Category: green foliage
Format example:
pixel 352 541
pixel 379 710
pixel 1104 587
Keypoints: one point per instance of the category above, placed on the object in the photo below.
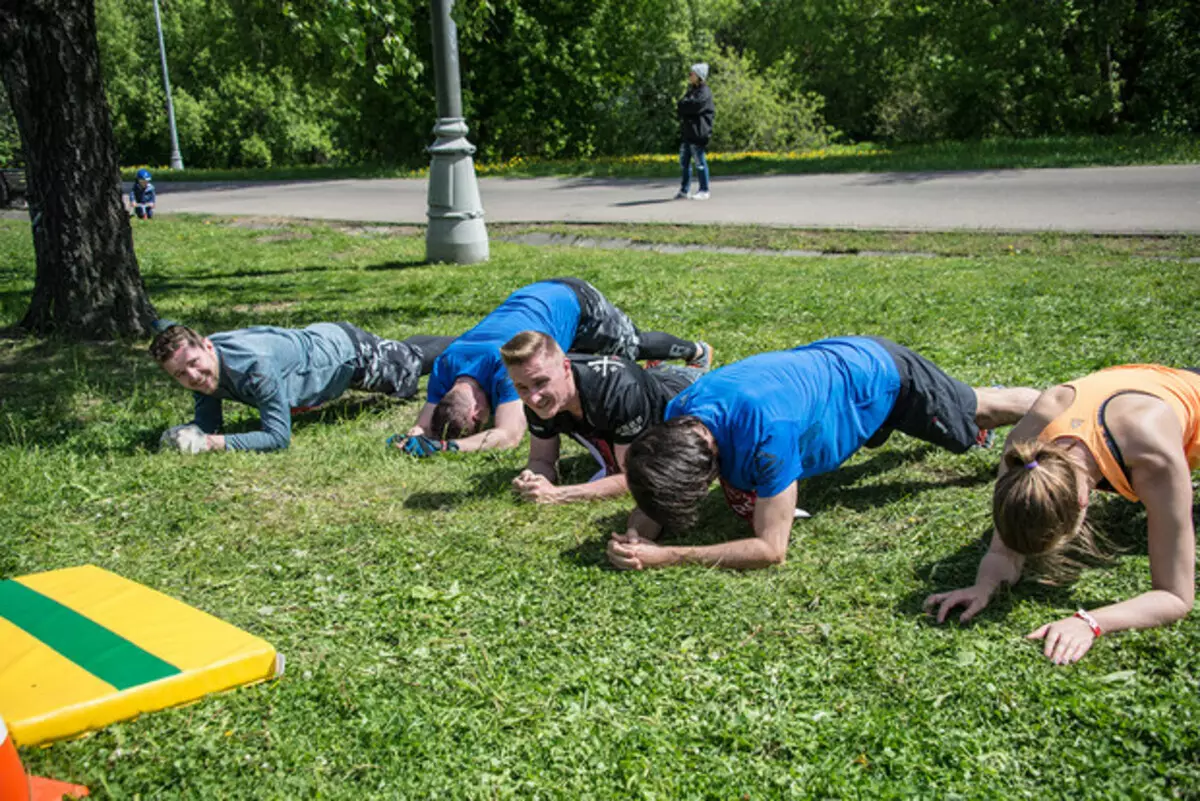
pixel 762 110
pixel 10 138
pixel 444 641
pixel 973 68
pixel 320 81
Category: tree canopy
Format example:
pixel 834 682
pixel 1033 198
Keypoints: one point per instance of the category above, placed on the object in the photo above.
pixel 315 81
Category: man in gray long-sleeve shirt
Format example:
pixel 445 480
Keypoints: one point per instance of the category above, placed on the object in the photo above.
pixel 281 371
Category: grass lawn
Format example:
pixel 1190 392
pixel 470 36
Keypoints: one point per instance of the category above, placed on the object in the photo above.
pixel 445 641
pixel 991 154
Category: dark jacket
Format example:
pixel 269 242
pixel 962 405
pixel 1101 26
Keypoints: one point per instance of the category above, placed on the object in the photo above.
pixel 696 112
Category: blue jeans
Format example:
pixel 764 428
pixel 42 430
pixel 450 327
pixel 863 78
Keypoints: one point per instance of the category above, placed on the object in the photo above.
pixel 687 152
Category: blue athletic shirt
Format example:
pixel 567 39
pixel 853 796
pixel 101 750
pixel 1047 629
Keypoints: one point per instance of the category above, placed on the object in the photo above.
pixel 548 307
pixel 783 416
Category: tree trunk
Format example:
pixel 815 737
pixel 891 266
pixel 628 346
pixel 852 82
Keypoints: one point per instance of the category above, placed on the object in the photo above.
pixel 88 285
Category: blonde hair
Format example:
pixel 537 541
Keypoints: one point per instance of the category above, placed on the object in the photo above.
pixel 1037 513
pixel 526 345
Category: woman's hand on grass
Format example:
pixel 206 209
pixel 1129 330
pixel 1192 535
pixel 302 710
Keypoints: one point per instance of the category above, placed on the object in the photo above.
pixel 1067 640
pixel 974 598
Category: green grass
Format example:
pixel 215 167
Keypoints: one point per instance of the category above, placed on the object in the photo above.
pixel 446 641
pixel 992 154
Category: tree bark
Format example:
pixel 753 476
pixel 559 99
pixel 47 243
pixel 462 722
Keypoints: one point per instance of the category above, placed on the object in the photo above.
pixel 87 284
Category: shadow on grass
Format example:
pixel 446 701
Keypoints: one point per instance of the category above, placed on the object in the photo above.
pixel 396 265
pixel 835 489
pixel 591 551
pixel 347 408
pixel 51 391
pixel 483 483
pixel 717 524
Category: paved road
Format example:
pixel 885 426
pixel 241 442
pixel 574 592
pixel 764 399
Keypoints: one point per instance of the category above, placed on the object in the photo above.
pixel 1100 199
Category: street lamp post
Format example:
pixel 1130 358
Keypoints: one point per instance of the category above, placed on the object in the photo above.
pixel 176 159
pixel 456 232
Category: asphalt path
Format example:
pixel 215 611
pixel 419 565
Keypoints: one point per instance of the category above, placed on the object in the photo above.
pixel 1133 200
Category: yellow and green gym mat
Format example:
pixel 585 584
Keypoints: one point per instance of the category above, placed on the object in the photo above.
pixel 81 648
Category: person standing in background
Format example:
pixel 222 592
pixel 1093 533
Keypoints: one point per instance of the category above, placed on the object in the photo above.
pixel 696 112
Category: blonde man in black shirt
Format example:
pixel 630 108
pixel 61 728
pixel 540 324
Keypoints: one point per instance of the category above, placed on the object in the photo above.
pixel 603 402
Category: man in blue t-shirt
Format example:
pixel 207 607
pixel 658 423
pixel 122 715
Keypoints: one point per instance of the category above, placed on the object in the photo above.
pixel 469 382
pixel 281 371
pixel 762 424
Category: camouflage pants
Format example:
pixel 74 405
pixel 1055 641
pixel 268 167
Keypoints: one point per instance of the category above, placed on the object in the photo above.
pixel 603 328
pixel 390 367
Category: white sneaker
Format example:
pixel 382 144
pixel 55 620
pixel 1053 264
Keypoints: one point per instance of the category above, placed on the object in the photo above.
pixel 700 196
pixel 681 195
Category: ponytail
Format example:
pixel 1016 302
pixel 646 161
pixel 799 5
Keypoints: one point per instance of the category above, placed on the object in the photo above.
pixel 1036 509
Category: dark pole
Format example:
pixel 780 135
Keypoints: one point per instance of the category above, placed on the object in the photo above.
pixel 176 159
pixel 456 230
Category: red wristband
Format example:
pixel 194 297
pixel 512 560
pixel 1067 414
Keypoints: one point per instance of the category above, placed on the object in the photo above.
pixel 1083 615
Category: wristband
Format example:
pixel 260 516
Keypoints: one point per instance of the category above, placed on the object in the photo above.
pixel 1086 617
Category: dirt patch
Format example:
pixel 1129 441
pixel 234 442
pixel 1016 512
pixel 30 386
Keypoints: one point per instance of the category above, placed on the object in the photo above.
pixel 381 230
pixel 285 236
pixel 260 223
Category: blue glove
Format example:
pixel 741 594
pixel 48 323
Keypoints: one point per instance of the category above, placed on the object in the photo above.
pixel 422 446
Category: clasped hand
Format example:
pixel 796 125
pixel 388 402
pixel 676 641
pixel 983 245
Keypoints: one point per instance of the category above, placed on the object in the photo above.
pixel 535 487
pixel 630 552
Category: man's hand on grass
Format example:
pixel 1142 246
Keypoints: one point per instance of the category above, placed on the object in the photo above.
pixel 536 488
pixel 185 438
pixel 422 446
pixel 630 552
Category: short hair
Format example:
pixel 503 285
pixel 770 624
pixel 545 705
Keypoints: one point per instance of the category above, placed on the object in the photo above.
pixel 454 415
pixel 171 339
pixel 526 345
pixel 1036 510
pixel 669 468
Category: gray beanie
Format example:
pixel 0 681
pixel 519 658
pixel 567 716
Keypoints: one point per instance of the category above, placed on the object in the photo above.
pixel 701 71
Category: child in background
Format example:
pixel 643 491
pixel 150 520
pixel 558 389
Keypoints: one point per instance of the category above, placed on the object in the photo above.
pixel 141 196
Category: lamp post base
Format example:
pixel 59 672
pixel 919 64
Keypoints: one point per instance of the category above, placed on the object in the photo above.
pixel 456 231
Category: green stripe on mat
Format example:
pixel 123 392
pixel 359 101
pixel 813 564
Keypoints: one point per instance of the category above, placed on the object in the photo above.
pixel 107 656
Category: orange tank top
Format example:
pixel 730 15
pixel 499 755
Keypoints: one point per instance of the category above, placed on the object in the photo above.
pixel 1083 420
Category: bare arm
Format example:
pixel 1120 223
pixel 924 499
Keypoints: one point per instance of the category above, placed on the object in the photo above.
pixel 1159 472
pixel 1000 565
pixel 507 433
pixel 543 458
pixel 424 420
pixel 536 486
pixel 773 518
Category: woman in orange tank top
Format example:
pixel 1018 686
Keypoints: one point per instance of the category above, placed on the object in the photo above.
pixel 1134 430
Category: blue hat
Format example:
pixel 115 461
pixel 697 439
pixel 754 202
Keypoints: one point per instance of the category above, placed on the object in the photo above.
pixel 143 174
pixel 159 326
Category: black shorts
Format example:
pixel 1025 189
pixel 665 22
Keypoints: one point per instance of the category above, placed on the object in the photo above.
pixel 931 405
pixel 603 328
